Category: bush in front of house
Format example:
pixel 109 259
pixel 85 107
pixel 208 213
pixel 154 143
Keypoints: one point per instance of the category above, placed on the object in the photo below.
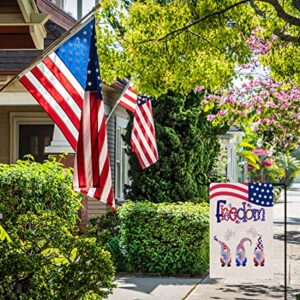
pixel 45 258
pixel 31 186
pixel 169 239
pixel 188 147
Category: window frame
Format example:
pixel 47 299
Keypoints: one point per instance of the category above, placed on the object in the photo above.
pixel 23 118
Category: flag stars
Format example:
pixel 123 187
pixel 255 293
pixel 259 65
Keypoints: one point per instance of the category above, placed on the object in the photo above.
pixel 89 83
pixel 85 32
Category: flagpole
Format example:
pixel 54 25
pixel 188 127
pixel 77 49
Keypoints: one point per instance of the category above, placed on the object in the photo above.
pixel 115 106
pixel 53 46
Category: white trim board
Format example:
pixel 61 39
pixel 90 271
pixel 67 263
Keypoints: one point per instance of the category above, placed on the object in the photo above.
pixel 25 98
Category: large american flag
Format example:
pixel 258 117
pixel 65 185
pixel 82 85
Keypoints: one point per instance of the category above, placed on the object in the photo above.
pixel 143 138
pixel 256 193
pixel 67 85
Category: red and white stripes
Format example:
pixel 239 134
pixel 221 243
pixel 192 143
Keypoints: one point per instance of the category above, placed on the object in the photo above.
pixel 143 139
pixel 229 190
pixel 80 116
pixel 128 98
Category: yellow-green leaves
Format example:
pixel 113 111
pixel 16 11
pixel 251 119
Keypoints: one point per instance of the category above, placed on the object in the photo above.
pixel 4 235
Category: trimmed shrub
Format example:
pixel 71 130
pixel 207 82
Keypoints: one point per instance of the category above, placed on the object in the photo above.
pixel 188 146
pixel 106 231
pixel 44 258
pixel 28 186
pixel 165 238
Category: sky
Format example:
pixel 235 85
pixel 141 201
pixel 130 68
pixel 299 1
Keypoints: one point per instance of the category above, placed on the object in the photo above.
pixel 71 6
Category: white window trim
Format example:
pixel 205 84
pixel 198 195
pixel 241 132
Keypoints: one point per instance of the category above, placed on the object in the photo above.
pixel 23 118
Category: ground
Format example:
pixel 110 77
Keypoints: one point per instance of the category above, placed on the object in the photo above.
pixel 158 288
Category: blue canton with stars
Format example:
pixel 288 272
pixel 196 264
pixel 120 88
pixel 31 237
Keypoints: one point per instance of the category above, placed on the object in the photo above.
pixel 142 99
pixel 79 54
pixel 261 194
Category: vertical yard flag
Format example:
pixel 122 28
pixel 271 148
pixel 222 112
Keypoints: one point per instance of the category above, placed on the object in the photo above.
pixel 143 138
pixel 241 235
pixel 67 85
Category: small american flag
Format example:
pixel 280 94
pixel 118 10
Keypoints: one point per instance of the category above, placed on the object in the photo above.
pixel 143 139
pixel 256 193
pixel 129 97
pixel 67 85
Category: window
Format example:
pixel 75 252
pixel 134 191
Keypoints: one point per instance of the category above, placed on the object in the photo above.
pixel 33 138
pixel 30 132
pixel 121 162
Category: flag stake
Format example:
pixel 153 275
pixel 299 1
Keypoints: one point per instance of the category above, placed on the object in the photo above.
pixel 53 46
pixel 115 106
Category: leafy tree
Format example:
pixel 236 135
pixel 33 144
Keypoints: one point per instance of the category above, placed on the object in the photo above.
pixel 179 44
pixel 188 146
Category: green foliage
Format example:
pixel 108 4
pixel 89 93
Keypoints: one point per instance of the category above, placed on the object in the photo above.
pixel 218 172
pixel 140 46
pixel 179 44
pixel 106 231
pixel 44 258
pixel 4 235
pixel 28 186
pixel 165 238
pixel 296 154
pixel 289 167
pixel 188 146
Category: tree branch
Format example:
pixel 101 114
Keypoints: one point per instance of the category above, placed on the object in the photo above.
pixel 192 23
pixel 287 37
pixel 296 4
pixel 282 14
pixel 205 39
pixel 258 11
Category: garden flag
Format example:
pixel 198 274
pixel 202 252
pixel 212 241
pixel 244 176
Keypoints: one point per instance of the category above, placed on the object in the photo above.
pixel 143 138
pixel 67 85
pixel 241 234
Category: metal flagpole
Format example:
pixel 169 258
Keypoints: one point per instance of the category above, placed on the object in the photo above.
pixel 285 244
pixel 285 238
pixel 115 106
pixel 54 45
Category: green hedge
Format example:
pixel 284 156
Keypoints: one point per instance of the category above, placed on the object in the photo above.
pixel 165 238
pixel 30 186
pixel 44 257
